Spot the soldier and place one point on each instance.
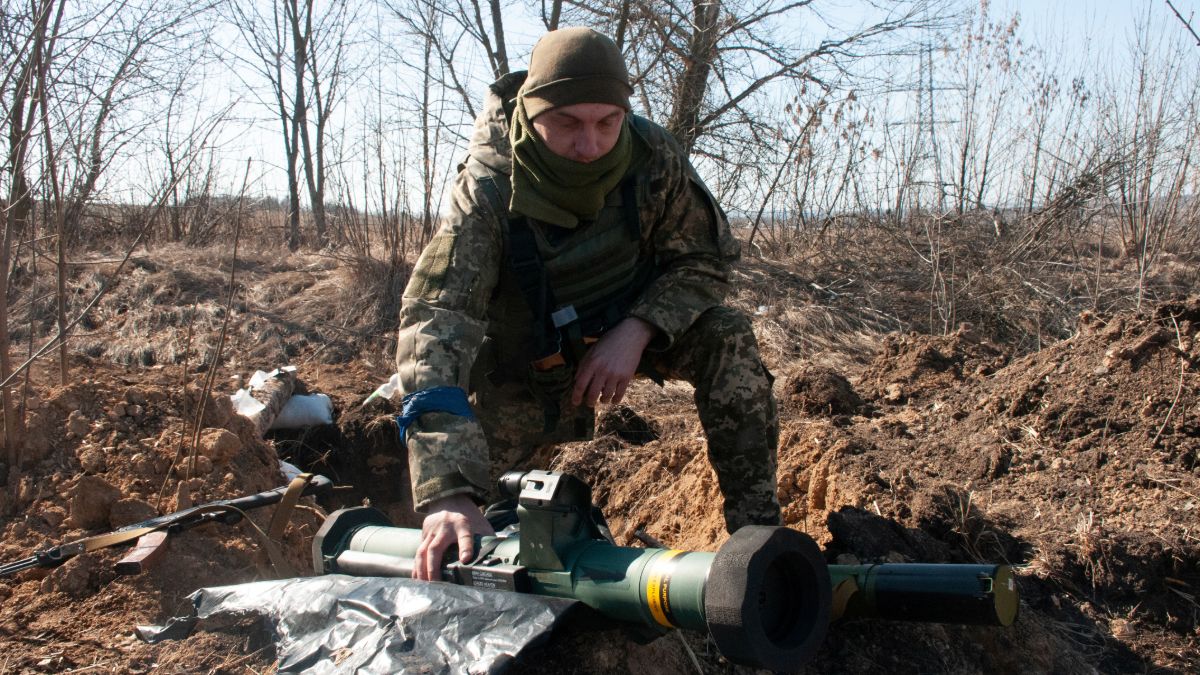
(581, 248)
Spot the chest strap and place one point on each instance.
(559, 335)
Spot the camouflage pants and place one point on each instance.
(718, 355)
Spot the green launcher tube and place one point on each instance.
(963, 594)
(766, 597)
(651, 586)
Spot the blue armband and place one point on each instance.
(451, 400)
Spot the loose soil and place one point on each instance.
(1078, 462)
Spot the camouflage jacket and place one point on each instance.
(461, 291)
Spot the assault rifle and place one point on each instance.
(152, 534)
(766, 597)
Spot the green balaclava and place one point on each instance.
(569, 66)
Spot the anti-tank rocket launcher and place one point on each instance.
(766, 596)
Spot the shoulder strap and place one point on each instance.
(629, 208)
(491, 189)
(525, 262)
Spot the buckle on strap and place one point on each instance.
(564, 315)
(555, 360)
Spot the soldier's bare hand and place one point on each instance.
(451, 520)
(611, 363)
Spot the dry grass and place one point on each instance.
(1022, 284)
(823, 296)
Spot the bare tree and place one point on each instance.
(988, 61)
(550, 21)
(320, 60)
(32, 35)
(443, 100)
(266, 36)
(302, 55)
(704, 67)
(1154, 120)
(493, 43)
(77, 96)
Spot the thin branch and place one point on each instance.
(1186, 24)
(160, 202)
(1179, 389)
(216, 359)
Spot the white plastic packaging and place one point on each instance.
(247, 405)
(304, 411)
(386, 389)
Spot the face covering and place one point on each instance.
(557, 190)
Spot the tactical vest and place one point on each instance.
(577, 282)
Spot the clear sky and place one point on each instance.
(1081, 28)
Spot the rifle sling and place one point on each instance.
(123, 536)
(283, 512)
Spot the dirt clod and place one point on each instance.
(219, 445)
(626, 423)
(823, 391)
(130, 510)
(92, 502)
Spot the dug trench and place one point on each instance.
(1078, 463)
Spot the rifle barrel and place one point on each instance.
(19, 565)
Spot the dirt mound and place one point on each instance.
(912, 366)
(817, 390)
(170, 308)
(108, 451)
(1078, 461)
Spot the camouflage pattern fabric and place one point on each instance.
(273, 394)
(461, 292)
(718, 355)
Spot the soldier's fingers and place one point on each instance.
(466, 544)
(435, 543)
(421, 568)
(427, 532)
(583, 378)
(433, 557)
(620, 392)
(420, 562)
(596, 390)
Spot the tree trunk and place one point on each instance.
(18, 213)
(498, 32)
(693, 85)
(301, 36)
